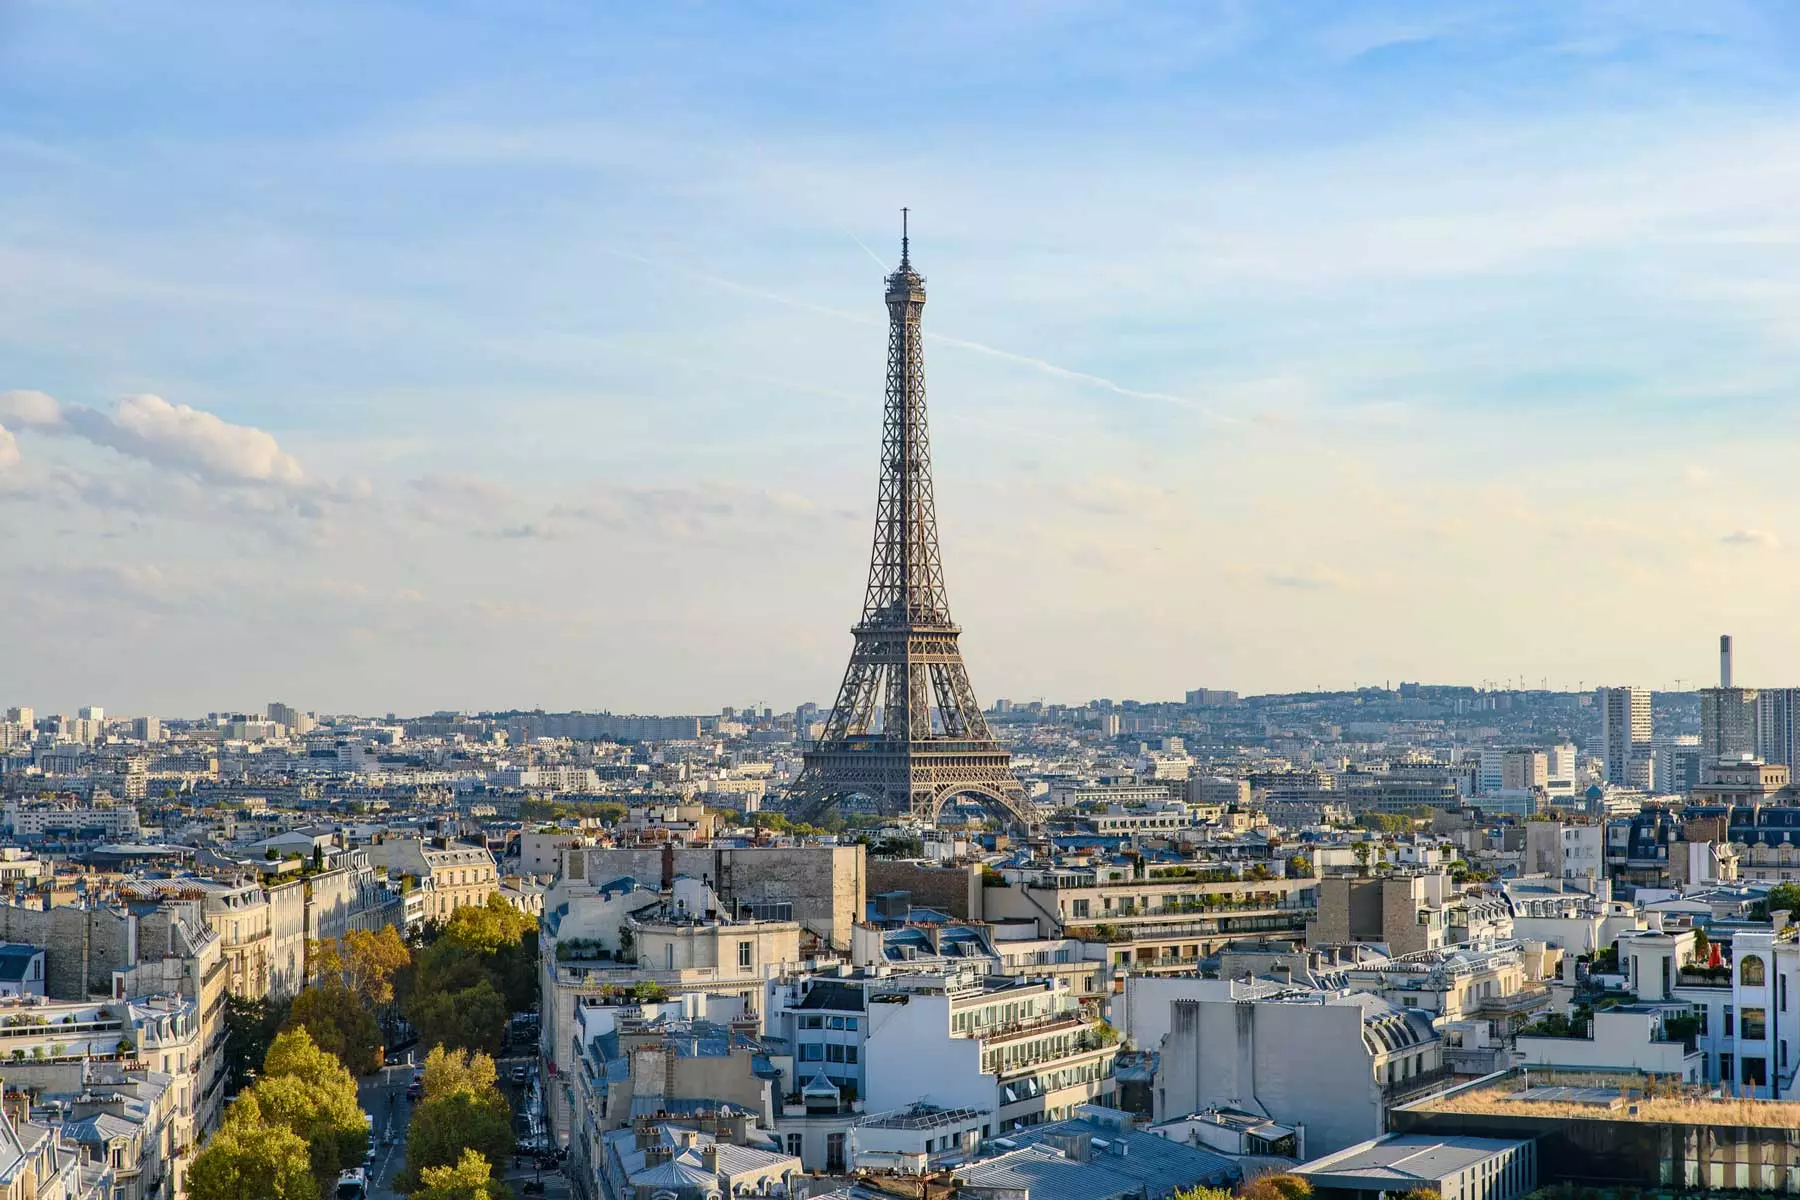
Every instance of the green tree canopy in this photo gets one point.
(462, 1109)
(1784, 896)
(1277, 1187)
(469, 1178)
(252, 1159)
(308, 1091)
(250, 1025)
(481, 968)
(472, 1018)
(341, 1023)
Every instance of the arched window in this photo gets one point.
(1750, 974)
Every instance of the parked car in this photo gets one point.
(520, 1074)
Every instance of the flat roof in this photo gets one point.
(1408, 1158)
(1596, 1094)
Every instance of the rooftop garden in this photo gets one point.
(1638, 1098)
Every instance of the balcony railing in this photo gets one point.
(1413, 1085)
(1036, 1025)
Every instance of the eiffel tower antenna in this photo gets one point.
(906, 734)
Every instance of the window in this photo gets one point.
(746, 953)
(834, 1022)
(1730, 1031)
(1750, 971)
(834, 1053)
(1755, 1072)
(812, 1022)
(812, 1052)
(1753, 1025)
(850, 1023)
(1781, 980)
(850, 1052)
(793, 1140)
(1081, 908)
(1724, 1068)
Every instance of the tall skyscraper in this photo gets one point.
(906, 733)
(1624, 730)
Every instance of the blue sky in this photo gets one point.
(531, 354)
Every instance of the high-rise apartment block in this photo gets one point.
(1728, 722)
(1624, 730)
(1778, 726)
(22, 715)
(147, 729)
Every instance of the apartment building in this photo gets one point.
(1154, 917)
(1329, 1064)
(1023, 1050)
(451, 874)
(598, 944)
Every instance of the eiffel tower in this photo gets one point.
(906, 732)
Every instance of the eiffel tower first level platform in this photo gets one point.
(906, 735)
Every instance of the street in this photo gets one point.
(383, 1097)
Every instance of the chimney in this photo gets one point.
(709, 1158)
(1724, 660)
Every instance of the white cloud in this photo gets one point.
(30, 410)
(1760, 539)
(186, 439)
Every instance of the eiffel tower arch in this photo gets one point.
(906, 734)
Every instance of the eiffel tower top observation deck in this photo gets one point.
(906, 734)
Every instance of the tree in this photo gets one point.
(250, 1025)
(462, 1109)
(1784, 896)
(309, 1092)
(341, 1023)
(480, 968)
(473, 1018)
(1202, 1193)
(364, 962)
(448, 1072)
(252, 1159)
(470, 1178)
(1277, 1187)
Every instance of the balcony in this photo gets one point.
(1416, 1085)
(1034, 1026)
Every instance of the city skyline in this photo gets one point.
(348, 361)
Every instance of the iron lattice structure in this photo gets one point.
(906, 733)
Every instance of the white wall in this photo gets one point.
(912, 1057)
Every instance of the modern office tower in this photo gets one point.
(1624, 730)
(22, 715)
(1677, 764)
(1778, 726)
(1728, 722)
(91, 712)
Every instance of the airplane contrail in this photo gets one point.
(869, 252)
(1024, 360)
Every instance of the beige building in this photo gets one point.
(1407, 913)
(453, 875)
(598, 943)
